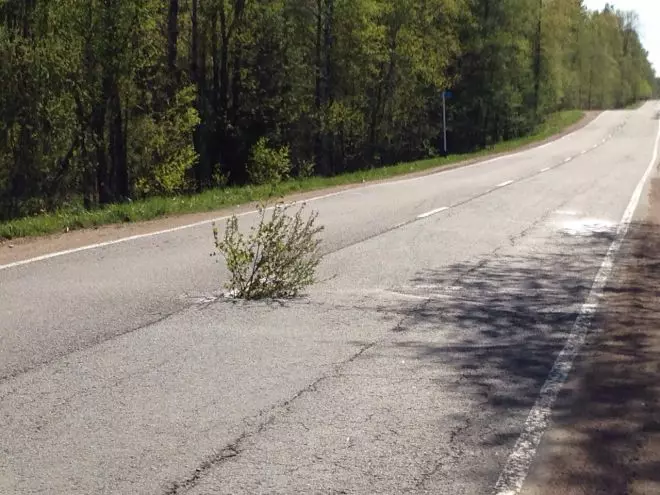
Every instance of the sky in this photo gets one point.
(649, 16)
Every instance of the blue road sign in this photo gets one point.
(449, 95)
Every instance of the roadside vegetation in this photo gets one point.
(277, 259)
(134, 109)
(65, 219)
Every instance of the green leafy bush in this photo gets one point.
(162, 148)
(268, 165)
(277, 259)
(305, 169)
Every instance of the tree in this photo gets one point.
(108, 100)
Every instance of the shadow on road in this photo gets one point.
(507, 318)
(610, 415)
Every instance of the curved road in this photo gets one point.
(412, 367)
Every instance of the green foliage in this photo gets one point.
(71, 217)
(107, 101)
(268, 165)
(305, 169)
(277, 259)
(163, 149)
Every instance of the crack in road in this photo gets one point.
(278, 411)
(273, 413)
(21, 371)
(212, 300)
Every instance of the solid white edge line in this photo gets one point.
(504, 184)
(432, 212)
(517, 466)
(317, 198)
(150, 234)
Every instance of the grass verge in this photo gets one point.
(156, 207)
(635, 105)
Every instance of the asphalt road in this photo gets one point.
(410, 368)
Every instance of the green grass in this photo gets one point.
(635, 105)
(216, 199)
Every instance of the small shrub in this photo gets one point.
(268, 165)
(277, 259)
(219, 179)
(305, 169)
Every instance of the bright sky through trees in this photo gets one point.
(649, 16)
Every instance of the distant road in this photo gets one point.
(412, 366)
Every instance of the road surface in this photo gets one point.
(411, 367)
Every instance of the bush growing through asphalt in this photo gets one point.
(277, 259)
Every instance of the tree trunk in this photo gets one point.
(203, 143)
(537, 62)
(324, 83)
(235, 87)
(318, 90)
(102, 169)
(385, 88)
(194, 41)
(172, 38)
(224, 63)
(216, 63)
(117, 142)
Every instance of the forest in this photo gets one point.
(108, 101)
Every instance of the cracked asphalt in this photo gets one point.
(409, 368)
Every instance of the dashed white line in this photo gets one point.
(570, 158)
(208, 222)
(517, 467)
(545, 169)
(584, 152)
(432, 212)
(504, 184)
(594, 147)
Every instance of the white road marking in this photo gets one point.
(568, 159)
(504, 184)
(545, 169)
(517, 467)
(149, 234)
(584, 152)
(317, 198)
(432, 212)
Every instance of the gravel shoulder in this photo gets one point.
(606, 434)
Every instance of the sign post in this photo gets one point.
(445, 96)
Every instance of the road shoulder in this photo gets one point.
(606, 427)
